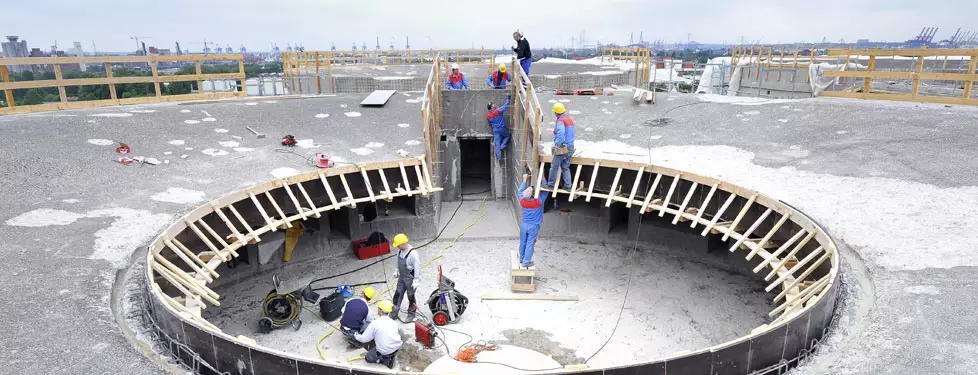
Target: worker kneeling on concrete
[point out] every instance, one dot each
(407, 275)
(532, 218)
(563, 148)
(498, 79)
(383, 332)
(456, 80)
(500, 132)
(356, 313)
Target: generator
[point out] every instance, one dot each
(446, 303)
(281, 308)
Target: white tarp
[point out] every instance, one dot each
(819, 82)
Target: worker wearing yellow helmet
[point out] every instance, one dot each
(408, 275)
(383, 332)
(563, 148)
(356, 313)
(498, 79)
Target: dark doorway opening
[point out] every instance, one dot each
(476, 165)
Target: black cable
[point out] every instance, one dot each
(310, 159)
(351, 285)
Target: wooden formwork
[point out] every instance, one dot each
(111, 81)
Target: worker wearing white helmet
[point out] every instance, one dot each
(383, 332)
(456, 80)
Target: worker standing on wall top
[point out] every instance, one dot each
(563, 148)
(498, 79)
(383, 332)
(530, 223)
(522, 50)
(499, 131)
(456, 80)
(356, 313)
(408, 273)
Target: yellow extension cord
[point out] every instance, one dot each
(387, 291)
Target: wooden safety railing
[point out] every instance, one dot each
(431, 115)
(625, 53)
(527, 115)
(111, 81)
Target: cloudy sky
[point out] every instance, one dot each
(463, 23)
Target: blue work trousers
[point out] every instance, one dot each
(562, 163)
(502, 140)
(525, 64)
(528, 240)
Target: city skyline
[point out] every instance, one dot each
(457, 24)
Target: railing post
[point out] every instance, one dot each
(5, 76)
(869, 73)
(244, 77)
(319, 86)
(199, 70)
(60, 83)
(156, 77)
(108, 75)
(971, 70)
(916, 77)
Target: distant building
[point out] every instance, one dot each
(13, 48)
(862, 43)
(77, 51)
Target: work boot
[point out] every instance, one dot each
(394, 314)
(411, 315)
(528, 264)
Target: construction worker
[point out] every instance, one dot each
(563, 148)
(498, 79)
(499, 130)
(456, 80)
(356, 313)
(532, 218)
(383, 332)
(522, 50)
(408, 274)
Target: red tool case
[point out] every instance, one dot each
(366, 252)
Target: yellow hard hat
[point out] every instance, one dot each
(369, 292)
(502, 68)
(558, 109)
(386, 306)
(400, 239)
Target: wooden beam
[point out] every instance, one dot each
(751, 229)
(703, 206)
(781, 249)
(251, 232)
(682, 207)
(261, 209)
(638, 180)
(594, 177)
(740, 216)
(767, 237)
(672, 188)
(794, 251)
(295, 202)
(201, 289)
(577, 177)
(387, 188)
(220, 239)
(187, 287)
(611, 194)
(805, 274)
(803, 296)
(59, 79)
(5, 77)
(312, 206)
(407, 185)
(329, 191)
(972, 65)
(421, 183)
(204, 239)
(556, 181)
(648, 196)
(716, 217)
(227, 223)
(192, 260)
(916, 78)
(427, 173)
(278, 209)
(791, 272)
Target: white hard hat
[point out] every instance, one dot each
(454, 66)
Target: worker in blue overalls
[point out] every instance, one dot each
(563, 148)
(499, 78)
(456, 80)
(499, 131)
(532, 218)
(408, 274)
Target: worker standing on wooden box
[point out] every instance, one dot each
(408, 274)
(500, 132)
(383, 332)
(499, 78)
(456, 80)
(356, 313)
(530, 223)
(563, 148)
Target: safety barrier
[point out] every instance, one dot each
(431, 115)
(111, 81)
(300, 65)
(943, 76)
(625, 53)
(526, 116)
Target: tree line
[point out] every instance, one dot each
(128, 90)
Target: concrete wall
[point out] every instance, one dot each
(581, 81)
(793, 83)
(464, 117)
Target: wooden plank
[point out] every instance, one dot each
(312, 206)
(227, 222)
(421, 183)
(220, 239)
(972, 65)
(192, 260)
(916, 78)
(295, 202)
(750, 230)
(794, 251)
(803, 296)
(404, 178)
(556, 181)
(201, 289)
(638, 180)
(767, 237)
(526, 297)
(740, 216)
(648, 196)
(329, 191)
(387, 188)
(682, 207)
(200, 72)
(904, 52)
(349, 193)
(377, 98)
(251, 232)
(264, 214)
(594, 177)
(172, 279)
(780, 250)
(189, 288)
(900, 97)
(716, 217)
(9, 94)
(902, 75)
(577, 177)
(204, 239)
(59, 79)
(672, 188)
(795, 268)
(703, 206)
(424, 168)
(156, 77)
(612, 191)
(805, 274)
(285, 219)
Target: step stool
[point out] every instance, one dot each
(521, 278)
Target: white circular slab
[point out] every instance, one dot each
(511, 355)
